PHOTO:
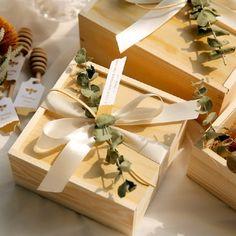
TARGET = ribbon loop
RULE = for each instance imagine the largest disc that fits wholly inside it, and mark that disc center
(58, 132)
(131, 113)
(151, 149)
(68, 160)
(76, 133)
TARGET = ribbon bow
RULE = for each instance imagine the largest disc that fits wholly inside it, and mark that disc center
(75, 131)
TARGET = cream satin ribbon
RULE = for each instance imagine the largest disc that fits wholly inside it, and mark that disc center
(75, 131)
(147, 24)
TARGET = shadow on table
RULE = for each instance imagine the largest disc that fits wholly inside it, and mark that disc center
(183, 208)
(28, 214)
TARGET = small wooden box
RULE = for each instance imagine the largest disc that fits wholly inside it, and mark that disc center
(170, 59)
(90, 191)
(209, 169)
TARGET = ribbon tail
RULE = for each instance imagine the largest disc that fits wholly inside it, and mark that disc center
(178, 112)
(151, 149)
(147, 24)
(58, 132)
(68, 161)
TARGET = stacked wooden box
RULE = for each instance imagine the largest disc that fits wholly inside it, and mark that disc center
(170, 59)
(209, 169)
(90, 190)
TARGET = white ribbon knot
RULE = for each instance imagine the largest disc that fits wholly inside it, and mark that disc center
(76, 133)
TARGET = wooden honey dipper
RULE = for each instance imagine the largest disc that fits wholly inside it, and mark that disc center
(38, 62)
(25, 40)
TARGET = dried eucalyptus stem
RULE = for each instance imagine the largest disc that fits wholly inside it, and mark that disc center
(205, 17)
(103, 132)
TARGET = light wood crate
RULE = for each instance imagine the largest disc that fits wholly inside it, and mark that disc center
(209, 169)
(90, 191)
(170, 58)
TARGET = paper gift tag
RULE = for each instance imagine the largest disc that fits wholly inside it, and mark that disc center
(8, 116)
(111, 86)
(29, 96)
(15, 67)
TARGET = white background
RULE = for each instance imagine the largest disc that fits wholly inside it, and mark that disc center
(180, 208)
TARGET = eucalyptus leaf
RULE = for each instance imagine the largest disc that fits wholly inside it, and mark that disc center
(205, 17)
(205, 104)
(104, 120)
(210, 118)
(82, 79)
(220, 32)
(94, 99)
(125, 166)
(86, 92)
(117, 138)
(215, 54)
(81, 56)
(200, 3)
(95, 75)
(102, 134)
(112, 156)
(200, 91)
(131, 185)
(121, 158)
(127, 186)
(215, 43)
(90, 71)
(194, 15)
(94, 88)
(122, 189)
(211, 134)
(231, 162)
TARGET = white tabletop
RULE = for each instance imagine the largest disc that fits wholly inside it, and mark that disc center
(180, 207)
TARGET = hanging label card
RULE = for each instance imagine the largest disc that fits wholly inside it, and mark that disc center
(29, 96)
(111, 86)
(8, 116)
(15, 67)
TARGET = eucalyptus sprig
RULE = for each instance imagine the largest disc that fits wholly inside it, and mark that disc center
(205, 17)
(223, 143)
(103, 132)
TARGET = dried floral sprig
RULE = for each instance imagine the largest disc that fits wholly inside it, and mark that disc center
(223, 143)
(5, 59)
(103, 132)
(10, 36)
(205, 17)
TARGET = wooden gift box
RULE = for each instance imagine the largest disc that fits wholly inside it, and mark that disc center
(90, 191)
(170, 59)
(209, 169)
